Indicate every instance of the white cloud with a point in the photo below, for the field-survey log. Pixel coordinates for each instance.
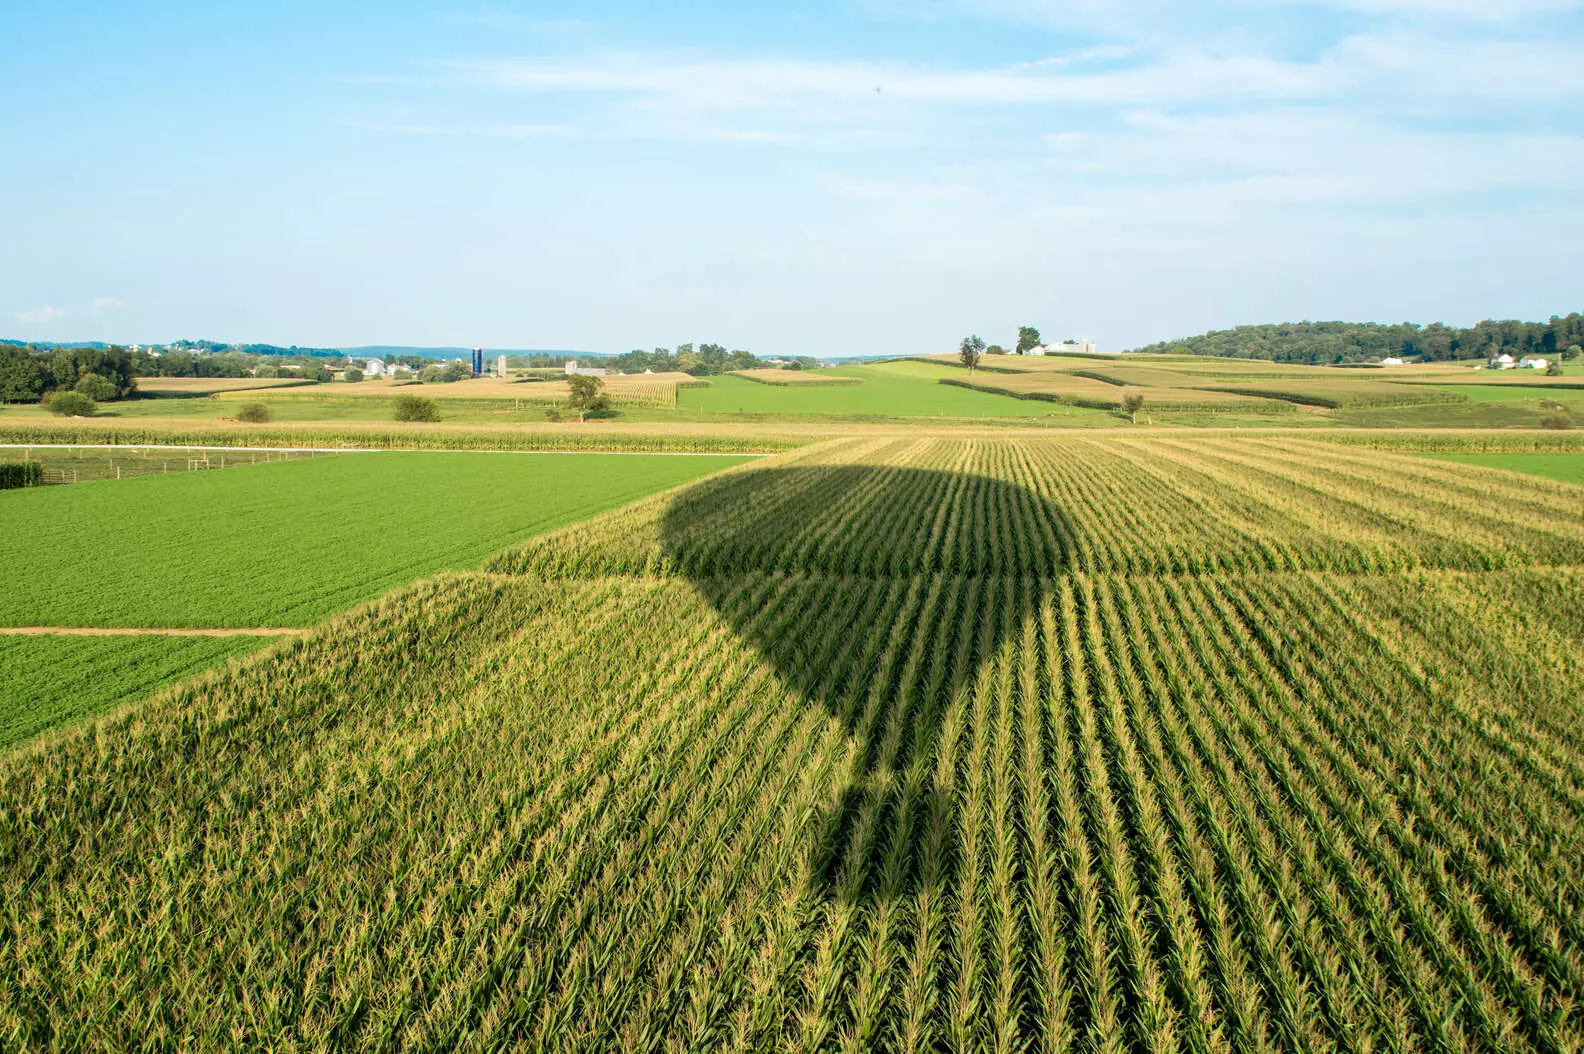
(102, 304)
(42, 315)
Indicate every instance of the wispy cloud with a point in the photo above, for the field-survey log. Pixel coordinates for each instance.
(42, 315)
(490, 129)
(101, 304)
(746, 84)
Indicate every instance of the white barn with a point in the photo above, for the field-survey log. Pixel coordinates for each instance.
(574, 370)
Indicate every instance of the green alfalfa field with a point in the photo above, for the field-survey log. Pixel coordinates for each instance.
(1147, 743)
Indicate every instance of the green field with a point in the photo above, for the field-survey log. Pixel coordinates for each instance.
(46, 682)
(1569, 468)
(893, 389)
(287, 544)
(1106, 743)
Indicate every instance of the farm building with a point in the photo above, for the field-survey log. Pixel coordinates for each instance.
(574, 370)
(1502, 362)
(1392, 360)
(1068, 347)
(1527, 363)
(374, 368)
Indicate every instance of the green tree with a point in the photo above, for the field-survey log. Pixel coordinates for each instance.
(352, 375)
(71, 404)
(253, 413)
(587, 396)
(1553, 368)
(1132, 403)
(1028, 339)
(1573, 351)
(995, 349)
(416, 408)
(971, 350)
(95, 387)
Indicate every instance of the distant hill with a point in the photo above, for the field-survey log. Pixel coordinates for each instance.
(1334, 342)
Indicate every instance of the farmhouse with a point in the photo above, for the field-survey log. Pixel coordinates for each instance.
(1502, 362)
(374, 368)
(574, 370)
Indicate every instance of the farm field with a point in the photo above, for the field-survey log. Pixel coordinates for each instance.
(892, 389)
(1566, 467)
(279, 545)
(81, 464)
(199, 386)
(1050, 391)
(289, 543)
(641, 388)
(50, 681)
(797, 378)
(535, 435)
(1106, 742)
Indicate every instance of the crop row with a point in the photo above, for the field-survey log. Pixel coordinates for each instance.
(1296, 812)
(1135, 506)
(389, 437)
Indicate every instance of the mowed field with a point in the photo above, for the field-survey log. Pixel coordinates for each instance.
(1112, 743)
(272, 546)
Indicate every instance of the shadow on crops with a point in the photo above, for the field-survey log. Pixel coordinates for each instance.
(878, 594)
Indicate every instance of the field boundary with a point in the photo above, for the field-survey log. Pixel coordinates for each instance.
(377, 450)
(152, 631)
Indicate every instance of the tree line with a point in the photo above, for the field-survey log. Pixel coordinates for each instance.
(28, 373)
(1322, 343)
(703, 360)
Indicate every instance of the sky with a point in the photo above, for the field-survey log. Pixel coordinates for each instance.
(829, 178)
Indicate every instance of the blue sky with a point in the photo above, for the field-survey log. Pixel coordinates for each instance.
(867, 177)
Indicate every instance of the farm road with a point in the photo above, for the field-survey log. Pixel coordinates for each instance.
(125, 631)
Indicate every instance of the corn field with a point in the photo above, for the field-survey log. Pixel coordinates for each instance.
(907, 745)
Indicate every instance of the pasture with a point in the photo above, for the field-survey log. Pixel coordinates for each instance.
(1120, 742)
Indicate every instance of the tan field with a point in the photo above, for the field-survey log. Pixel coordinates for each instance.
(211, 385)
(646, 387)
(796, 378)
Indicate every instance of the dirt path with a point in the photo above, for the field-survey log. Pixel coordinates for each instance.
(127, 631)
